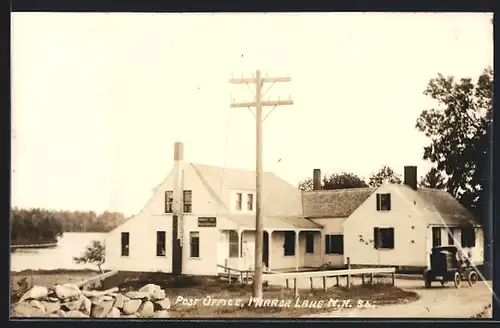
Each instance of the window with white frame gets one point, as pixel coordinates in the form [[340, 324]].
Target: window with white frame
[[169, 201], [250, 202], [187, 198], [194, 244], [239, 200], [233, 244]]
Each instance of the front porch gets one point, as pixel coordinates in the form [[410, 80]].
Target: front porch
[[296, 245]]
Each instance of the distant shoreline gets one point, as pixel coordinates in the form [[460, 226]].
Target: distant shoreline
[[53, 271], [33, 246]]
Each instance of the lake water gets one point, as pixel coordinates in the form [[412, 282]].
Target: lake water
[[61, 257]]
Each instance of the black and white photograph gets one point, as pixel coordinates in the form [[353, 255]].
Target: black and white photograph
[[251, 165]]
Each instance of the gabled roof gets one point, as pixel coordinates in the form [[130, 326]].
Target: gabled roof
[[339, 203], [279, 198], [448, 209]]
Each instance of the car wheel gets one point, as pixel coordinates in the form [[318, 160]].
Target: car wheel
[[457, 279], [472, 278], [427, 280]]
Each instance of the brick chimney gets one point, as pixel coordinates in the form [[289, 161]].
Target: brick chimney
[[411, 177], [317, 179]]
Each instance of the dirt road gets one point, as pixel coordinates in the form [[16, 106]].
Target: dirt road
[[435, 302]]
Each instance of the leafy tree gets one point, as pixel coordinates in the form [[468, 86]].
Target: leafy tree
[[93, 254], [333, 181], [433, 179], [385, 173], [306, 185], [459, 128], [343, 180]]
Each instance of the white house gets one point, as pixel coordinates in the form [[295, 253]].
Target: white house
[[201, 216], [392, 225]]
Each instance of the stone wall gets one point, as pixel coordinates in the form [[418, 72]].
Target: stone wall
[[69, 301]]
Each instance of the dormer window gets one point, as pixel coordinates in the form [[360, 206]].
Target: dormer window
[[239, 199], [383, 202], [250, 202]]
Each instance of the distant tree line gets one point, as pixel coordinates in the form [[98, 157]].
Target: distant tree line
[[36, 226]]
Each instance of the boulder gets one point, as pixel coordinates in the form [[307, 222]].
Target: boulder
[[162, 305], [158, 294], [35, 293], [161, 314], [111, 291], [51, 307], [67, 291], [135, 315], [23, 309], [114, 313], [101, 310], [61, 313], [86, 305], [107, 298], [146, 310], [150, 288], [38, 305], [138, 295], [93, 293], [76, 314], [131, 306], [120, 301], [72, 305]]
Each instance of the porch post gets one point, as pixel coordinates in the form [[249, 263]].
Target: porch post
[[269, 249], [322, 247], [297, 256], [240, 243]]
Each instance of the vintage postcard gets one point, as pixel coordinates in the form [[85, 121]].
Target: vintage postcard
[[251, 165]]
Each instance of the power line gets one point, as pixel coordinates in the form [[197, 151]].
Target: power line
[[259, 82]]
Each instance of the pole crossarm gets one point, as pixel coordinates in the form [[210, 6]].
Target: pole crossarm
[[263, 103], [253, 80]]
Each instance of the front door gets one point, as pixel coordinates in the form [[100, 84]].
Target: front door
[[265, 248]]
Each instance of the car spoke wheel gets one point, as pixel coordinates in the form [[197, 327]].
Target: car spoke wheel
[[457, 279], [472, 278], [427, 280]]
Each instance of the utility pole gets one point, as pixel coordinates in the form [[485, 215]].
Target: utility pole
[[258, 103]]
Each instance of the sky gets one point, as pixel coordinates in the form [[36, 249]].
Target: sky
[[98, 99]]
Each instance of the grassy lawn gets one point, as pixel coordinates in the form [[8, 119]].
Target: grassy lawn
[[22, 281], [198, 288]]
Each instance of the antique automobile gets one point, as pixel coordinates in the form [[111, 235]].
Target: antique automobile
[[449, 264]]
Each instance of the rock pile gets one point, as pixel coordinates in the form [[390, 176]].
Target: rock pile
[[68, 301]]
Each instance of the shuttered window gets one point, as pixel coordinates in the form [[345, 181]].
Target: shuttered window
[[334, 244], [383, 238], [125, 243], [383, 202], [160, 243]]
